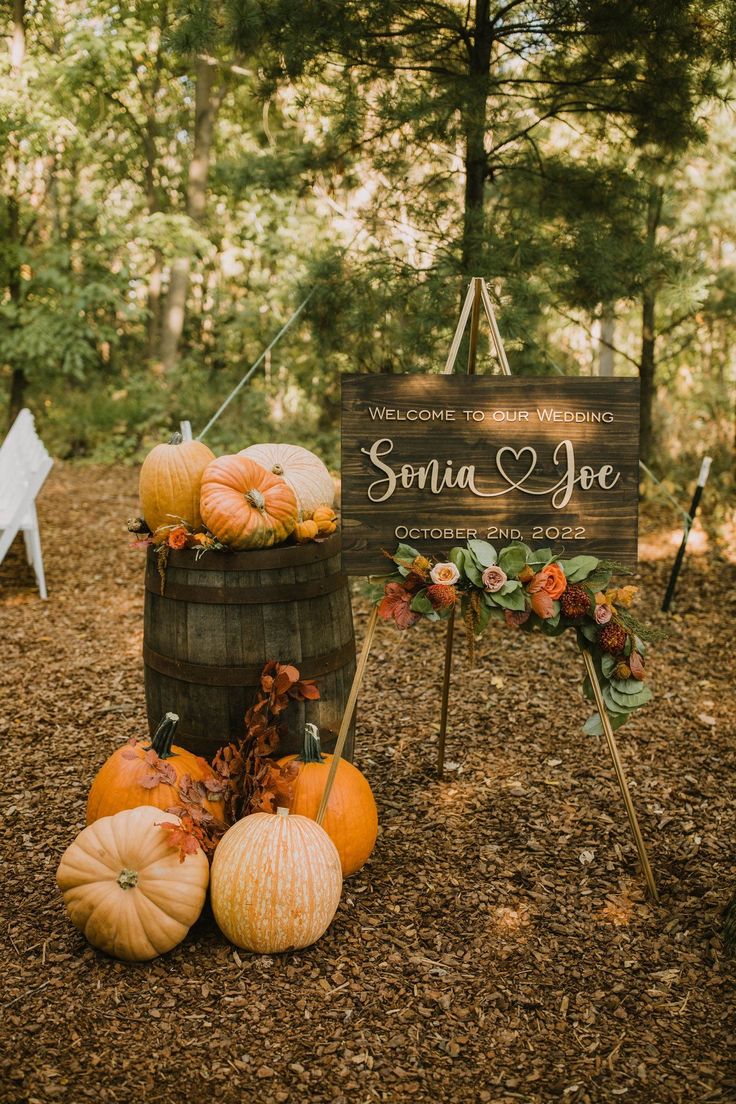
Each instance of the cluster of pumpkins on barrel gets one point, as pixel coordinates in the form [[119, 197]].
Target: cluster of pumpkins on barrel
[[134, 880], [265, 495]]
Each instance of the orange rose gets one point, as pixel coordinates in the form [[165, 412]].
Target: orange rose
[[178, 538], [551, 579]]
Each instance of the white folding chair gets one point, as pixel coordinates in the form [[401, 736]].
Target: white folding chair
[[24, 465]]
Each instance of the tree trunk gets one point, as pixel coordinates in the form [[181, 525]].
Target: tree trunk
[[474, 123], [17, 57], [605, 344], [152, 192], [207, 103], [647, 364]]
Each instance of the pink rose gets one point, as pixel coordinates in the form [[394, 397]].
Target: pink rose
[[493, 579], [445, 573], [602, 615]]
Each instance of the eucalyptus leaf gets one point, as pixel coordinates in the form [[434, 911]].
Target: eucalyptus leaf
[[513, 601], [512, 558], [406, 553], [420, 603], [594, 727], [484, 553], [579, 567], [608, 665]]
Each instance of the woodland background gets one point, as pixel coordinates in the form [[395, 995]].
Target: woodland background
[[177, 177]]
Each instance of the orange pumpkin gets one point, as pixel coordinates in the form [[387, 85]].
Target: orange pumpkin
[[244, 505], [351, 820], [133, 776], [169, 485]]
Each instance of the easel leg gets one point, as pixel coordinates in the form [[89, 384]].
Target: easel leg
[[348, 714], [618, 767], [445, 694]]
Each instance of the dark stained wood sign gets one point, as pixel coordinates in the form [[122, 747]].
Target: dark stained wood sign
[[433, 461]]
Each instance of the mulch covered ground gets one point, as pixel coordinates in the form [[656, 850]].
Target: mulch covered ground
[[499, 945]]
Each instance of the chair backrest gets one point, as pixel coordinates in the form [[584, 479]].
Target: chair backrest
[[24, 463]]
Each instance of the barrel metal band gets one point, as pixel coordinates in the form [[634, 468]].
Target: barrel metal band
[[213, 674], [244, 596]]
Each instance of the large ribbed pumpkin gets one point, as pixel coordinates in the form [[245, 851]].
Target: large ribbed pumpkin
[[170, 482], [302, 470], [275, 882], [246, 506], [351, 819], [133, 776], [125, 887]]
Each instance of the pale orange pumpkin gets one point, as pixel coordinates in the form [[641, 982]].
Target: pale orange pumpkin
[[170, 482], [244, 505], [351, 819], [148, 773], [125, 887], [275, 882], [303, 471]]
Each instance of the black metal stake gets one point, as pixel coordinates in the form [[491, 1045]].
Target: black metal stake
[[677, 565]]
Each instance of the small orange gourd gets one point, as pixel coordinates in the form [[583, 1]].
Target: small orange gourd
[[305, 531], [325, 519], [133, 776], [245, 506], [351, 820]]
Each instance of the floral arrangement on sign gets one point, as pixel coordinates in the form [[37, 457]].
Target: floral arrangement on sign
[[531, 590], [266, 494]]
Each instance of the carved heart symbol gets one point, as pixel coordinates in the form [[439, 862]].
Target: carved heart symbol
[[517, 455]]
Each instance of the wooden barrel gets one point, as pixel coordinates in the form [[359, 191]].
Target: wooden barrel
[[223, 616]]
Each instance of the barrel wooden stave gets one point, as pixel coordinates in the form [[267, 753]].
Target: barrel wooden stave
[[227, 635]]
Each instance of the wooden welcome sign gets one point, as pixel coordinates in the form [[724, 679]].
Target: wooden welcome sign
[[434, 461]]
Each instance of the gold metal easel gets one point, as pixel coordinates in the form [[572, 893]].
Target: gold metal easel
[[478, 296]]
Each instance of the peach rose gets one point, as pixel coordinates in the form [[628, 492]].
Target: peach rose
[[445, 573], [551, 579]]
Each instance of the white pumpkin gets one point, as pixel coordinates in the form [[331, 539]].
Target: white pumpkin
[[275, 882], [303, 471]]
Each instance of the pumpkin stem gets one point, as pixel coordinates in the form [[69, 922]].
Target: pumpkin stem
[[255, 498], [277, 469], [282, 811], [128, 879], [311, 749], [163, 737], [176, 438]]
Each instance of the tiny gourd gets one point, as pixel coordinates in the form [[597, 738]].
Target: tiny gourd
[[325, 519], [125, 887], [276, 882], [245, 506], [351, 819], [170, 483], [305, 531], [149, 773]]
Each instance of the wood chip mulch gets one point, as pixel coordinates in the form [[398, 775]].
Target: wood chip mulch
[[499, 945]]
